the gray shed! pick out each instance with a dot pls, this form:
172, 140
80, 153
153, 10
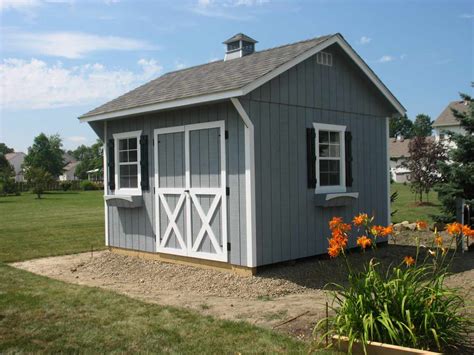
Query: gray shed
241, 163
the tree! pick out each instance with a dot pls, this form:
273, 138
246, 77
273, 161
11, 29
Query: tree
423, 160
90, 158
4, 149
46, 153
38, 179
422, 126
402, 126
7, 174
458, 172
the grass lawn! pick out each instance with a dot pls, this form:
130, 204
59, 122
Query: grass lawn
59, 223
408, 209
38, 314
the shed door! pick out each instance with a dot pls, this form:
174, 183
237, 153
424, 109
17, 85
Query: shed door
191, 190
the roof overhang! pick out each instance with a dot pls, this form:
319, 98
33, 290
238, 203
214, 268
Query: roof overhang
255, 84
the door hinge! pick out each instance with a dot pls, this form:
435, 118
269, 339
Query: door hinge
228, 246
226, 134
227, 191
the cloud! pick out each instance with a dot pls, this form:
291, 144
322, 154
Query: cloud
226, 8
35, 84
467, 16
69, 44
386, 59
19, 5
178, 65
77, 139
365, 40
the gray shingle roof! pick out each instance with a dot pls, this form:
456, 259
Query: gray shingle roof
446, 118
208, 78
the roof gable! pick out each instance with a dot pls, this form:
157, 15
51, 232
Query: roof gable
446, 118
224, 79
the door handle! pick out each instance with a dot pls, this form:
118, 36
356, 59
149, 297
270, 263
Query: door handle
187, 191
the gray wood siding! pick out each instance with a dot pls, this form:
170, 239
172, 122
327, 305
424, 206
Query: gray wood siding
289, 224
135, 228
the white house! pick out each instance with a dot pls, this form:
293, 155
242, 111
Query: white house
398, 149
447, 122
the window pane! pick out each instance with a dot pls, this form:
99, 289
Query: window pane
324, 179
132, 143
334, 138
132, 156
123, 144
133, 182
334, 151
324, 166
133, 170
323, 137
124, 182
124, 170
334, 166
323, 150
334, 179
123, 157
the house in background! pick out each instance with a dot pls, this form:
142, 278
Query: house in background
242, 162
447, 122
16, 160
69, 173
398, 148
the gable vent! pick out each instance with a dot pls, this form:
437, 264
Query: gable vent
324, 58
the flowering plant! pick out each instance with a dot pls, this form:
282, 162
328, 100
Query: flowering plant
408, 305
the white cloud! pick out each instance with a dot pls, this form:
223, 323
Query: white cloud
19, 5
179, 65
225, 8
467, 16
69, 44
386, 59
365, 40
34, 84
77, 139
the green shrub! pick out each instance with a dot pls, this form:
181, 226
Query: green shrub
406, 305
66, 185
38, 179
87, 185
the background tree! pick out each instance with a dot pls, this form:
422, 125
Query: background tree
38, 179
402, 126
46, 153
424, 156
422, 127
90, 158
458, 172
4, 149
7, 175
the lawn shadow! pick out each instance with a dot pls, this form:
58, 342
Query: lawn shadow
321, 271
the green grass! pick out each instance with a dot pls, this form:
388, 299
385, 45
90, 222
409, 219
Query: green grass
407, 207
38, 314
59, 223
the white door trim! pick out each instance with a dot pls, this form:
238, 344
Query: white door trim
188, 197
250, 208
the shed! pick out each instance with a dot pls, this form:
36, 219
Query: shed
240, 163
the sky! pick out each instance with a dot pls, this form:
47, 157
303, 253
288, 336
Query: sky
62, 58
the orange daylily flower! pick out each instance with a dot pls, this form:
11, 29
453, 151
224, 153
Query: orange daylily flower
377, 230
408, 260
438, 240
387, 231
361, 219
454, 229
467, 231
334, 222
339, 236
364, 242
421, 225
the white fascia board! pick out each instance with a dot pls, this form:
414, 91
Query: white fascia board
164, 105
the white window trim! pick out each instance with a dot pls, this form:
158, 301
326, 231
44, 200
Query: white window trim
341, 129
127, 191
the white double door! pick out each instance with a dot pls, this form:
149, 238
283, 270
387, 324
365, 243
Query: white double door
190, 190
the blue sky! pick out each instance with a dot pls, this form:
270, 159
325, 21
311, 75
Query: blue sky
61, 58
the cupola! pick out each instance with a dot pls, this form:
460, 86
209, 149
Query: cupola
239, 46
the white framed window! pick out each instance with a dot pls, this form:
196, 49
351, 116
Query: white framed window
330, 158
127, 163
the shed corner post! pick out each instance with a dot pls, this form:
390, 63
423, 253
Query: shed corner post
105, 182
388, 172
249, 183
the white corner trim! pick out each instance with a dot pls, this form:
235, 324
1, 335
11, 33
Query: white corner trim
105, 173
345, 194
250, 208
255, 84
387, 171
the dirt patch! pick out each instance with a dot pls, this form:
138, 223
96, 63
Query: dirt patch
276, 295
